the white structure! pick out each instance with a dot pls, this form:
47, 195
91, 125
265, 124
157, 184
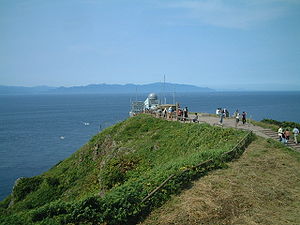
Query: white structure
151, 102
136, 108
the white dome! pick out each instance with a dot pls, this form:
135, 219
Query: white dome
152, 96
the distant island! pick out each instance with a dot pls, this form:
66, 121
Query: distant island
104, 89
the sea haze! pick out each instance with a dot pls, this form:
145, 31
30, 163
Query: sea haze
104, 89
37, 131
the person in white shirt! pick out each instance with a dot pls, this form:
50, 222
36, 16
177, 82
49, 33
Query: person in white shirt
295, 132
170, 112
195, 120
237, 118
280, 132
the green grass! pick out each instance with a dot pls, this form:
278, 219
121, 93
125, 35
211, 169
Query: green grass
264, 125
275, 124
262, 187
108, 177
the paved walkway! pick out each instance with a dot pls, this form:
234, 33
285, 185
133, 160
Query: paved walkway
230, 122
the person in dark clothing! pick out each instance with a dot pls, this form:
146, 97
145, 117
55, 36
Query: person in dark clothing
244, 114
287, 134
185, 113
222, 115
283, 138
227, 113
195, 120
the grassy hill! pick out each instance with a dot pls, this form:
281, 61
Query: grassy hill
262, 187
107, 179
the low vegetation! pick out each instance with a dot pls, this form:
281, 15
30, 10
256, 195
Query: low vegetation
106, 180
285, 124
264, 125
275, 124
262, 187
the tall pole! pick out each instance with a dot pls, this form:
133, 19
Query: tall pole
136, 94
165, 89
174, 93
176, 111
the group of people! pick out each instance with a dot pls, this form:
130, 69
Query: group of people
238, 116
183, 113
168, 113
224, 113
284, 135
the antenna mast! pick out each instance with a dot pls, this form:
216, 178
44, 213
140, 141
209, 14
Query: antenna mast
165, 89
174, 93
136, 95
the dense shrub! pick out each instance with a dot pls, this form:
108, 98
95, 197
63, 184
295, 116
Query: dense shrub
5, 203
14, 219
123, 203
115, 170
87, 210
49, 210
25, 186
52, 181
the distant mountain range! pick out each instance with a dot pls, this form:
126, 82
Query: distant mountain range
104, 88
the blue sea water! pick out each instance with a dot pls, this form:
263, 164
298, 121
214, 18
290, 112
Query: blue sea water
31, 126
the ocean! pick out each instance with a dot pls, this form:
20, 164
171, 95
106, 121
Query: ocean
38, 131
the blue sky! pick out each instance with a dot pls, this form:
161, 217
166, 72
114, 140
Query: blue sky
221, 44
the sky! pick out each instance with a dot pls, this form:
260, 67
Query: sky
221, 44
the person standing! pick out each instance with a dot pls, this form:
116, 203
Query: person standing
227, 113
179, 114
283, 138
280, 132
237, 118
235, 113
287, 134
165, 113
222, 114
185, 113
224, 111
296, 133
244, 114
170, 112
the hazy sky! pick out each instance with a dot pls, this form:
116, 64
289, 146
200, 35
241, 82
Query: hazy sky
252, 44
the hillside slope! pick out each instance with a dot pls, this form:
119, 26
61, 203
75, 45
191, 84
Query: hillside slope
261, 187
106, 180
